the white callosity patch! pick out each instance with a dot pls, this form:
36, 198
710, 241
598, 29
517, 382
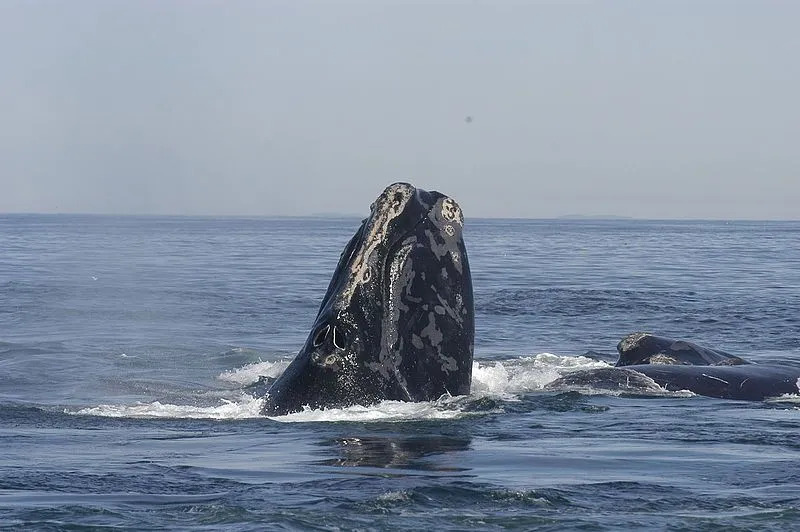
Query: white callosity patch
630, 341
451, 212
449, 219
387, 207
664, 360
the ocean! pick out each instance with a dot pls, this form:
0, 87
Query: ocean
127, 343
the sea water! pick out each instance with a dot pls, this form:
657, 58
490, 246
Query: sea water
127, 343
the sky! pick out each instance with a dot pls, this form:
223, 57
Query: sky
537, 109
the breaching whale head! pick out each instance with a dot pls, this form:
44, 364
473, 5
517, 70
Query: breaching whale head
397, 320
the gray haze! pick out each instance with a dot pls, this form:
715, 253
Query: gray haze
643, 108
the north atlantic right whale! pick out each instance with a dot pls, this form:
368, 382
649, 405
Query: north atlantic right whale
678, 365
397, 320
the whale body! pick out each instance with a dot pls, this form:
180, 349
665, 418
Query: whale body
678, 365
397, 320
397, 323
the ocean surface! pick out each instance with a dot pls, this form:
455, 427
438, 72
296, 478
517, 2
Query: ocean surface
126, 344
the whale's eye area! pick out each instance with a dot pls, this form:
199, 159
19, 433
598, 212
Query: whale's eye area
321, 335
338, 341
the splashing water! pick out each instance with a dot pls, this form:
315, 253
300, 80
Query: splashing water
503, 379
509, 378
250, 373
788, 398
443, 408
246, 407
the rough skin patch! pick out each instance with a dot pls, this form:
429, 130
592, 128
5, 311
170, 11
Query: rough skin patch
452, 212
387, 207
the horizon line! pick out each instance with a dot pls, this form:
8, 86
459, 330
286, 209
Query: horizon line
562, 218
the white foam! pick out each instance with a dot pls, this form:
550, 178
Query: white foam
444, 408
787, 397
525, 374
394, 496
250, 373
502, 378
245, 408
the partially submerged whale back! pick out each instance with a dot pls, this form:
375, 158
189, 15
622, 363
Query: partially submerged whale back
397, 320
677, 365
645, 348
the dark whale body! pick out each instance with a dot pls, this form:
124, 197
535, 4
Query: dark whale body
397, 320
680, 365
643, 348
677, 365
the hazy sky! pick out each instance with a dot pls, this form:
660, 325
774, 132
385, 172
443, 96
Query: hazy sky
643, 108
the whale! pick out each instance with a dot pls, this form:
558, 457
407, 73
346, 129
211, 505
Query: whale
680, 365
642, 348
397, 320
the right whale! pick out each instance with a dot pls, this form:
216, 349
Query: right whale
678, 365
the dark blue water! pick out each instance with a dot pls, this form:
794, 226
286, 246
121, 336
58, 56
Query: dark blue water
125, 344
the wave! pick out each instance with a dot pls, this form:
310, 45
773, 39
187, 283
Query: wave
245, 408
497, 380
